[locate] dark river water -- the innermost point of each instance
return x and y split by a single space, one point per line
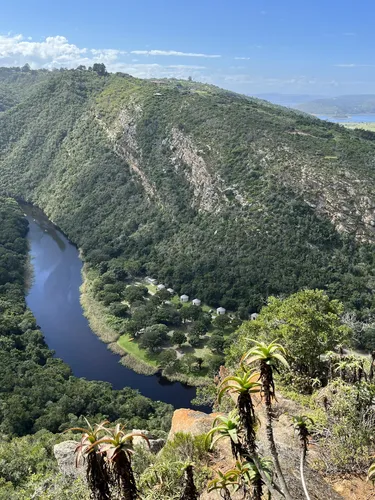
54 298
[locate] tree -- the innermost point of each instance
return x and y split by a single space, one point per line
153 337
133 293
221 321
194 339
178 338
268 356
199 327
108 297
167 356
140 317
216 342
200 362
100 69
189 361
214 362
163 295
119 310
307 323
190 312
167 314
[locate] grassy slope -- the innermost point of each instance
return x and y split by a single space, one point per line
57 149
365 126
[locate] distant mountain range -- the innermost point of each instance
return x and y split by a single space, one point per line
341 105
289 100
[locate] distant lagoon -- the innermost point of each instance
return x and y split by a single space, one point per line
348 119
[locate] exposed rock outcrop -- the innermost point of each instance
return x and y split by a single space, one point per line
65 456
156 444
191 421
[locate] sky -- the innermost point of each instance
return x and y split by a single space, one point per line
315 47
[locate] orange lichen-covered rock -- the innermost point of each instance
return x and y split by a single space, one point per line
191 421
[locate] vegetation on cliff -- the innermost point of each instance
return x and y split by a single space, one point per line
221 196
38 391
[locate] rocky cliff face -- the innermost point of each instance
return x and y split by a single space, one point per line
225 197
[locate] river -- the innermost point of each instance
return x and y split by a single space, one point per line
54 298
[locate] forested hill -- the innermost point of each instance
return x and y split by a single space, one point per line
17 83
341 105
219 195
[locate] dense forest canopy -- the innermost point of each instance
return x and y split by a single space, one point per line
38 390
221 196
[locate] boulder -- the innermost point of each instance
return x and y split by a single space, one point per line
191 421
65 457
156 444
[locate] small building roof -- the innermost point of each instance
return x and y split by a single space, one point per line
220 310
254 316
170 290
197 302
184 297
161 286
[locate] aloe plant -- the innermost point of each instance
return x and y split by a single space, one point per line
97 470
226 427
300 424
268 357
117 446
224 482
245 385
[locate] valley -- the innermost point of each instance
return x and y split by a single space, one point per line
54 299
188 236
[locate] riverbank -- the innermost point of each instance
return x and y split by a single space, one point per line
132 356
95 312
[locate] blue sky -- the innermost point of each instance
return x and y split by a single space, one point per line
250 46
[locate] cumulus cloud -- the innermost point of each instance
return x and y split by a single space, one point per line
56 52
172 53
55 49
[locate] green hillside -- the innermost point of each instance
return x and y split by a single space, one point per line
218 195
341 105
17 83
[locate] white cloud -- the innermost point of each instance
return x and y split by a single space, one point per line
352 65
242 58
172 53
107 54
56 52
55 48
